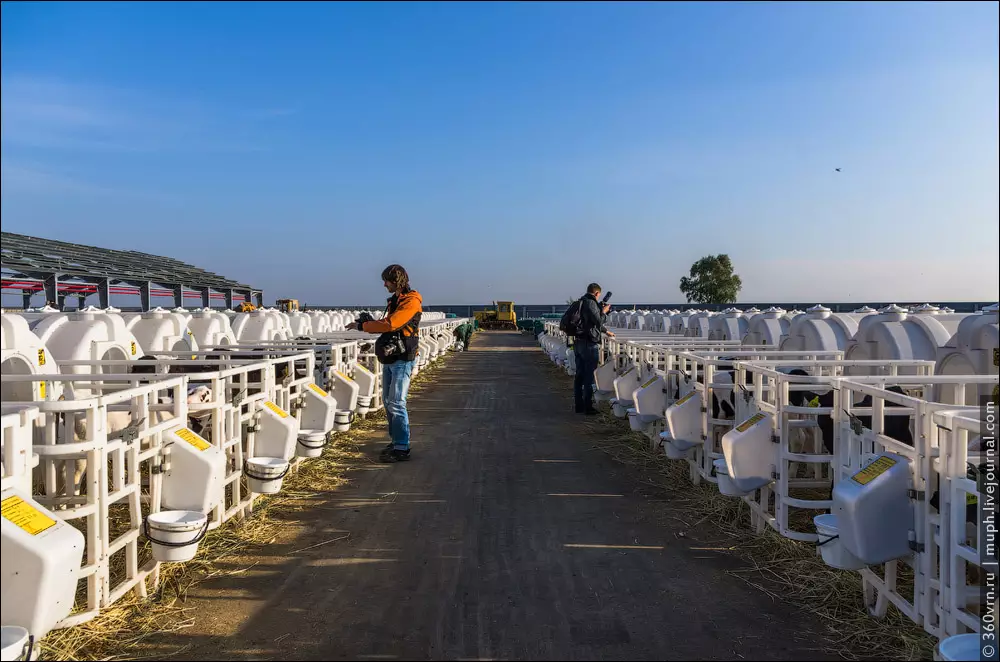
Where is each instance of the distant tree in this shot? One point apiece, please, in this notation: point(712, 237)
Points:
point(712, 281)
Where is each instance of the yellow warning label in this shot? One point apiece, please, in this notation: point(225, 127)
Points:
point(318, 390)
point(276, 409)
point(41, 390)
point(651, 380)
point(193, 439)
point(814, 402)
point(750, 422)
point(25, 516)
point(41, 357)
point(133, 349)
point(344, 376)
point(873, 470)
point(628, 371)
point(971, 499)
point(362, 368)
point(686, 398)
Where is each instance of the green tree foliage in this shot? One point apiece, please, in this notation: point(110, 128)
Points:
point(712, 281)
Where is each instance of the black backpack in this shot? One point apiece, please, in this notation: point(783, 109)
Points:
point(572, 320)
point(394, 346)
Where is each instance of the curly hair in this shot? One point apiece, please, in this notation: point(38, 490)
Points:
point(397, 275)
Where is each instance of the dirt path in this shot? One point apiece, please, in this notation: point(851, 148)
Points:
point(505, 537)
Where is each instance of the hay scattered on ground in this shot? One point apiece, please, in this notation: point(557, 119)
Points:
point(785, 569)
point(120, 631)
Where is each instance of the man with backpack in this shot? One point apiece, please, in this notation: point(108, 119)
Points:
point(584, 323)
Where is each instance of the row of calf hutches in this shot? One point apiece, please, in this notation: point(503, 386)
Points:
point(160, 425)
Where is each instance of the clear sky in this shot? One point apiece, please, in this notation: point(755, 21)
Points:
point(515, 150)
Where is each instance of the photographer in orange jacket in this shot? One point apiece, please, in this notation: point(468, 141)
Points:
point(396, 349)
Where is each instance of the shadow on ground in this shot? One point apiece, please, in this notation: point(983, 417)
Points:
point(507, 536)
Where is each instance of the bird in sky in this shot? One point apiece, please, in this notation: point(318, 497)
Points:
point(837, 169)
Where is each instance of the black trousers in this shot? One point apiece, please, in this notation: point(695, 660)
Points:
point(586, 363)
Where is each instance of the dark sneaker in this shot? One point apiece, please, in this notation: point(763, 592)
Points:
point(390, 455)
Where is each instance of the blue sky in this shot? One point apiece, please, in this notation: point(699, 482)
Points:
point(515, 150)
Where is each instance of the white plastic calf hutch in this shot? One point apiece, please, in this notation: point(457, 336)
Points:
point(159, 330)
point(820, 329)
point(210, 328)
point(895, 333)
point(730, 325)
point(972, 350)
point(24, 353)
point(767, 329)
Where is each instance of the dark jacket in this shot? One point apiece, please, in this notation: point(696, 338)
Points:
point(592, 319)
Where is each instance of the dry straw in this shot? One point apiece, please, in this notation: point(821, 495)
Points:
point(786, 570)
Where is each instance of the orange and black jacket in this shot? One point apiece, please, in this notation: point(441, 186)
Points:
point(402, 314)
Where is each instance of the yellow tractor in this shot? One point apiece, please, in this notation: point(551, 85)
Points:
point(500, 317)
point(288, 305)
point(247, 307)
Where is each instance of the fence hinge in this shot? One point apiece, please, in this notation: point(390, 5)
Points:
point(856, 425)
point(917, 495)
point(916, 546)
point(127, 434)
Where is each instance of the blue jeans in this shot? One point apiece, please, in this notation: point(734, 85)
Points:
point(587, 354)
point(395, 385)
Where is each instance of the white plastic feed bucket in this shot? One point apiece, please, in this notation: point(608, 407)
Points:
point(265, 474)
point(619, 410)
point(671, 450)
point(726, 485)
point(685, 445)
point(830, 546)
point(342, 420)
point(956, 647)
point(17, 643)
point(635, 421)
point(364, 404)
point(311, 444)
point(175, 534)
